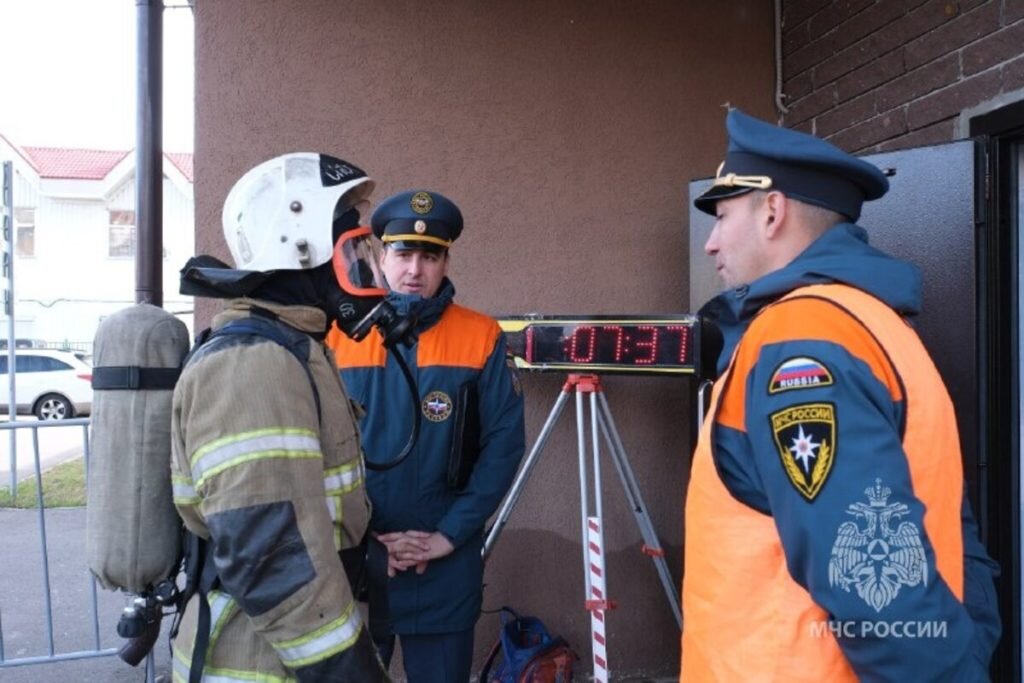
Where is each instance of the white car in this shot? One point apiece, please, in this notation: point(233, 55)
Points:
point(52, 385)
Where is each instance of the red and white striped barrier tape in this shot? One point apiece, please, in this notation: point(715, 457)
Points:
point(597, 602)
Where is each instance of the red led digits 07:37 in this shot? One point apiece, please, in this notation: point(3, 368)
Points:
point(660, 344)
point(609, 345)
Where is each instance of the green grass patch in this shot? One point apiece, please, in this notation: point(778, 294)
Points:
point(63, 486)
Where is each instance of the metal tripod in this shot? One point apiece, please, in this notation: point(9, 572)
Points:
point(592, 534)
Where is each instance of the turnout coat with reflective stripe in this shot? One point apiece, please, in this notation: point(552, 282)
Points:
point(827, 536)
point(278, 492)
point(455, 345)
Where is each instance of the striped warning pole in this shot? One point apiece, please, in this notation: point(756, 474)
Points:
point(596, 602)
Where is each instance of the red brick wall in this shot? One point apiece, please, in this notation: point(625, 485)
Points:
point(876, 75)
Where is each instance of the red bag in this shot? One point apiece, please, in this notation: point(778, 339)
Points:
point(551, 666)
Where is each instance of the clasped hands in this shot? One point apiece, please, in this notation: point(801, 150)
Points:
point(413, 549)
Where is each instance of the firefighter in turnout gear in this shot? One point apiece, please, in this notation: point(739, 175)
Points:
point(828, 534)
point(267, 464)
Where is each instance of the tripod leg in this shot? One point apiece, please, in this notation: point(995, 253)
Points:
point(594, 565)
point(595, 420)
point(581, 442)
point(636, 503)
point(524, 475)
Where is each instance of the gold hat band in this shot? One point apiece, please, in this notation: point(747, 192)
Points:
point(758, 182)
point(416, 238)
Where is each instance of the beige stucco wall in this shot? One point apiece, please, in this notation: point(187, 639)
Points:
point(567, 133)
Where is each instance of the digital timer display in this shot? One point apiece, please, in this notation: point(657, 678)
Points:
point(612, 344)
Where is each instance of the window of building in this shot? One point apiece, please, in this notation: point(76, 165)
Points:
point(121, 233)
point(25, 232)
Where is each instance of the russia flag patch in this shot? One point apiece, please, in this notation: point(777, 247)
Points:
point(799, 373)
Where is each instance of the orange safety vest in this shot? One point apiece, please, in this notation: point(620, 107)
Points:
point(745, 618)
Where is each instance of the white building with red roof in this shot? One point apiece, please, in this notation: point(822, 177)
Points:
point(74, 233)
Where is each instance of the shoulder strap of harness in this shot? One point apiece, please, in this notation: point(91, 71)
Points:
point(201, 578)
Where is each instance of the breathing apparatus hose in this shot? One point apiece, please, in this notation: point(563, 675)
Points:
point(415, 433)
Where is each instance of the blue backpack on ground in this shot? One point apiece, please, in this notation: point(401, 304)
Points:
point(525, 652)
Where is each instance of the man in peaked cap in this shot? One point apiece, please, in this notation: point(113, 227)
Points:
point(827, 481)
point(762, 156)
point(429, 511)
point(418, 221)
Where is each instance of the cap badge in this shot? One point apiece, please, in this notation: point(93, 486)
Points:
point(422, 203)
point(420, 227)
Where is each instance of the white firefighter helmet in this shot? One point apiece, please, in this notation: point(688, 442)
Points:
point(279, 215)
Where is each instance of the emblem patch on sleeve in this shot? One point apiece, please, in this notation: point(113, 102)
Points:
point(879, 553)
point(799, 373)
point(805, 436)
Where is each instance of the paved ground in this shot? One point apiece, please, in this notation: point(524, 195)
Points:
point(23, 609)
point(58, 442)
point(23, 632)
point(23, 612)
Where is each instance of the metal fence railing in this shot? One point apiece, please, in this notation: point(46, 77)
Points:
point(22, 583)
point(79, 346)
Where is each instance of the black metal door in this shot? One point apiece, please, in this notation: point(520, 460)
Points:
point(927, 218)
point(1000, 209)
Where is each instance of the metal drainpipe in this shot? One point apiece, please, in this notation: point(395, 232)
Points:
point(149, 153)
point(780, 97)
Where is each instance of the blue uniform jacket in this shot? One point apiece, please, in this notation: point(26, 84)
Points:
point(455, 345)
point(749, 466)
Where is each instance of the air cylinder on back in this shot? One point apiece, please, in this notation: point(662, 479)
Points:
point(133, 533)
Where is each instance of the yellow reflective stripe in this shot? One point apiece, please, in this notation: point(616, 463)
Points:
point(181, 665)
point(337, 482)
point(222, 608)
point(184, 492)
point(217, 444)
point(222, 454)
point(336, 512)
point(236, 676)
point(262, 455)
point(343, 479)
point(324, 642)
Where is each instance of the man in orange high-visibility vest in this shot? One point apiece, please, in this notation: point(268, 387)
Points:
point(828, 537)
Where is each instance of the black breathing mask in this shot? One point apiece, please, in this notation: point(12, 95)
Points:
point(360, 305)
point(360, 300)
